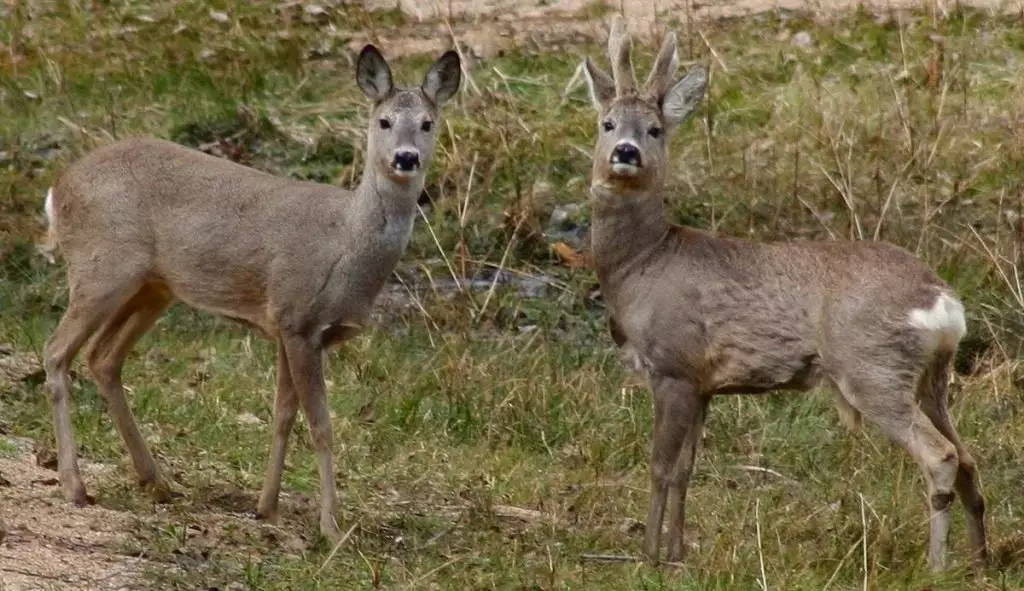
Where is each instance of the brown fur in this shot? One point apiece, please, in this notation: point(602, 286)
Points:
point(143, 223)
point(703, 315)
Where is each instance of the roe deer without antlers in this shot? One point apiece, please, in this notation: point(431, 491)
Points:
point(142, 223)
point(703, 315)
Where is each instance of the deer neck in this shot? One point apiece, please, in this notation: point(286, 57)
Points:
point(389, 205)
point(627, 226)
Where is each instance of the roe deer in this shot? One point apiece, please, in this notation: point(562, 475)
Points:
point(143, 223)
point(702, 315)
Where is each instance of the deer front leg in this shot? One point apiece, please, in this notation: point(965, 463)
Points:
point(285, 407)
point(678, 415)
point(692, 421)
point(305, 362)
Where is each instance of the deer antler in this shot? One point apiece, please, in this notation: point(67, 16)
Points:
point(619, 46)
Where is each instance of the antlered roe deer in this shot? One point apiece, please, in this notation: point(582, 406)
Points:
point(143, 223)
point(703, 315)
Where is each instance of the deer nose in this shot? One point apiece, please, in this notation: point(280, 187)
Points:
point(406, 161)
point(626, 153)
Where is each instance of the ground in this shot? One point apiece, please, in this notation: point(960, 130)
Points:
point(486, 433)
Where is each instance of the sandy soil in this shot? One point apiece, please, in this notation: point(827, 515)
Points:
point(45, 544)
point(640, 11)
point(485, 28)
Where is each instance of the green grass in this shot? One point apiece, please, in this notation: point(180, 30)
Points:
point(442, 420)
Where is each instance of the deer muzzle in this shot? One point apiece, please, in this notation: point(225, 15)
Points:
point(406, 162)
point(626, 159)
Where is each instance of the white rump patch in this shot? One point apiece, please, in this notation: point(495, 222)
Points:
point(944, 322)
point(49, 245)
point(48, 206)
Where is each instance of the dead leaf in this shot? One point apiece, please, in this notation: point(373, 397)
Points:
point(569, 256)
point(367, 413)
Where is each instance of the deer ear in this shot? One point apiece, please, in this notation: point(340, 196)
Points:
point(664, 69)
point(682, 99)
point(600, 85)
point(443, 79)
point(373, 74)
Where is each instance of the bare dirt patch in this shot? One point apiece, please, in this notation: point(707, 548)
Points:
point(485, 28)
point(47, 544)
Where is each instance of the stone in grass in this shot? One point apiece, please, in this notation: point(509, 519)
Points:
point(802, 40)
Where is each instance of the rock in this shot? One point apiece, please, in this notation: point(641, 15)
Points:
point(564, 215)
point(802, 39)
point(247, 418)
point(566, 225)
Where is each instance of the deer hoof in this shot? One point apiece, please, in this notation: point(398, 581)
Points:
point(270, 516)
point(329, 529)
point(158, 490)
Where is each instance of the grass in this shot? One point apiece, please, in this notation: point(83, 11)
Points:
point(905, 129)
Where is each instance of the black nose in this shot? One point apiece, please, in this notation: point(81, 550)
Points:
point(626, 154)
point(406, 161)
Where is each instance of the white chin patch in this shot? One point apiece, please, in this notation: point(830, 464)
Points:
point(625, 169)
point(404, 174)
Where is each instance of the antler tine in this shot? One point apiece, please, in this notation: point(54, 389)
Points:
point(619, 46)
point(665, 67)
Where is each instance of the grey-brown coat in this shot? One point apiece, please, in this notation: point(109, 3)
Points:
point(144, 222)
point(703, 315)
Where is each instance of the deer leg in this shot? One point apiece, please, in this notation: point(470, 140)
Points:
point(933, 399)
point(305, 363)
point(848, 415)
point(105, 357)
point(675, 405)
point(692, 413)
point(88, 308)
point(897, 414)
point(285, 408)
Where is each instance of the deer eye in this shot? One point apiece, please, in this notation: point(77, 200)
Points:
point(654, 132)
point(427, 126)
point(608, 125)
point(385, 124)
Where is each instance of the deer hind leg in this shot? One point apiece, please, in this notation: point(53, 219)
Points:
point(285, 407)
point(105, 357)
point(848, 414)
point(887, 399)
point(933, 398)
point(91, 302)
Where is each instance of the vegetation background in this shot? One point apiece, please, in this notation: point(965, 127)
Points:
point(487, 435)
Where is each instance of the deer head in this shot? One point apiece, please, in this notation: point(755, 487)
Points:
point(404, 122)
point(633, 124)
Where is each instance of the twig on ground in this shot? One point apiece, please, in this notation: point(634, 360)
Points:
point(523, 514)
point(610, 558)
point(763, 470)
point(334, 550)
point(763, 582)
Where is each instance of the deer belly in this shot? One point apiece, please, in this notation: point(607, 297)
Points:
point(764, 371)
